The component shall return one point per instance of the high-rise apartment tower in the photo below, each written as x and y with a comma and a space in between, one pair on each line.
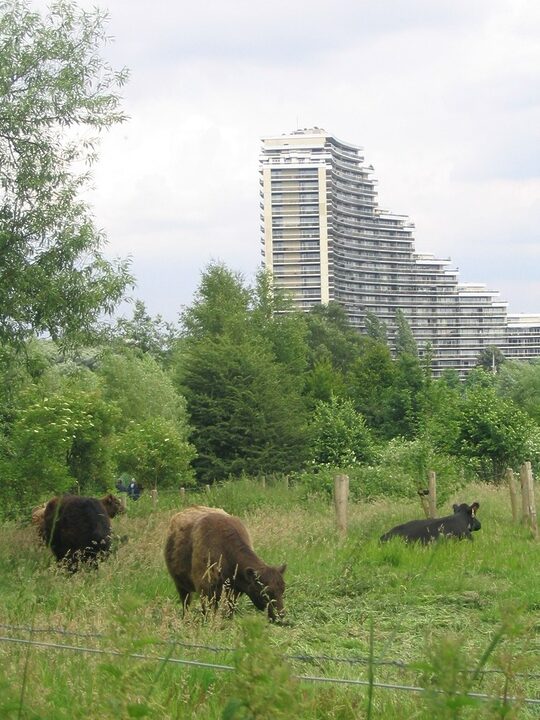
325, 238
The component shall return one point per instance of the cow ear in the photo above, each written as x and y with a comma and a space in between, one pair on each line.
282, 568
455, 507
474, 507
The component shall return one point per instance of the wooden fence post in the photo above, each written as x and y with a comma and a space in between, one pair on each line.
512, 487
153, 495
182, 493
123, 502
432, 497
341, 497
422, 494
263, 482
524, 494
207, 488
531, 500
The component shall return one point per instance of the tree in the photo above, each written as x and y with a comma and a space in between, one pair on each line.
140, 387
220, 305
148, 335
323, 381
246, 417
490, 358
375, 328
330, 336
340, 437
371, 377
62, 440
494, 434
275, 320
240, 381
405, 398
520, 381
54, 89
156, 453
404, 339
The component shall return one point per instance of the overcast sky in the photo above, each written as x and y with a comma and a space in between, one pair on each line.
443, 96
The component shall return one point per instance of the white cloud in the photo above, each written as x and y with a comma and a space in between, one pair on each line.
444, 97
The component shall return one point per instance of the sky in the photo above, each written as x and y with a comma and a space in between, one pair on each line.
443, 97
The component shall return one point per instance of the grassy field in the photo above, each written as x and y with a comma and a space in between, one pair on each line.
453, 618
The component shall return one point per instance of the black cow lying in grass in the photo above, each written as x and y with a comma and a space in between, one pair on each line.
459, 525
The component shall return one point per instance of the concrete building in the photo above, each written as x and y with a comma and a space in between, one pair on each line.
325, 238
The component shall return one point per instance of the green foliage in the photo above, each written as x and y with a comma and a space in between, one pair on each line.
520, 381
413, 459
63, 440
405, 398
339, 435
53, 83
261, 687
220, 305
398, 470
241, 382
245, 416
375, 328
152, 336
284, 330
490, 358
156, 453
404, 339
494, 434
371, 378
323, 381
141, 388
331, 337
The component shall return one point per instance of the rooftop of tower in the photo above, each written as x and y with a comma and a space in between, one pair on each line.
315, 132
308, 131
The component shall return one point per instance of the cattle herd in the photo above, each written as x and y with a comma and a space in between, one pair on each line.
207, 551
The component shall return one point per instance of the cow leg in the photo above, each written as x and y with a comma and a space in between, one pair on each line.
184, 595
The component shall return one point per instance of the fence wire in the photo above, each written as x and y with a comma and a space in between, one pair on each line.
231, 668
301, 657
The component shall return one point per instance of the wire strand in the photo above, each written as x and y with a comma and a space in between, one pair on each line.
301, 657
215, 666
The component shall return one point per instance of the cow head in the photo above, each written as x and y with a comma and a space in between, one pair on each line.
266, 587
470, 512
113, 506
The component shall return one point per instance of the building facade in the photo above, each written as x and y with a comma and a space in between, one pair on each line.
325, 238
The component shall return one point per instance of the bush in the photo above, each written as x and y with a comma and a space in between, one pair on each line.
156, 452
339, 435
399, 472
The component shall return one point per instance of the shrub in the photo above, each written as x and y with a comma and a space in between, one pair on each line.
399, 471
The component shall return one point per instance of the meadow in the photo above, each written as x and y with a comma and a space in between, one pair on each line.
457, 620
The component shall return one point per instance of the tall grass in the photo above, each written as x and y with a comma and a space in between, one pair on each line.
436, 617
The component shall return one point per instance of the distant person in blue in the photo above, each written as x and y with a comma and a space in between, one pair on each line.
133, 490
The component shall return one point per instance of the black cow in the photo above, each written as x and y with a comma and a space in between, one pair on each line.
459, 525
77, 529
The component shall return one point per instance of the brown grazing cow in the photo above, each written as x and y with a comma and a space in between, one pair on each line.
208, 550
